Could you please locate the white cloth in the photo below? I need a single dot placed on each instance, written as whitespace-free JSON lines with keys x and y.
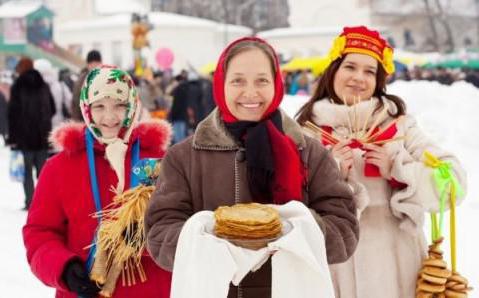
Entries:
{"x":205,"y":265}
{"x":115,"y":153}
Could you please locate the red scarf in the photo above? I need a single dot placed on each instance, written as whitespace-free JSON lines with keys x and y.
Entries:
{"x":289,"y":172}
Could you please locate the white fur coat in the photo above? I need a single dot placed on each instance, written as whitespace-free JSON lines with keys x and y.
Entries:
{"x":392,"y":243}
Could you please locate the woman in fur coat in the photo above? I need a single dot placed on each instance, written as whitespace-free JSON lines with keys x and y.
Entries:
{"x":94,"y":164}
{"x":379,"y":149}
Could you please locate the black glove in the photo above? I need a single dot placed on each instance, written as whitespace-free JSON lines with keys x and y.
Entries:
{"x":77,"y":280}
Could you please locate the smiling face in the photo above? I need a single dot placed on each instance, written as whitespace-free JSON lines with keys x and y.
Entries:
{"x":249,"y":85}
{"x":108,"y":115}
{"x":356,"y":78}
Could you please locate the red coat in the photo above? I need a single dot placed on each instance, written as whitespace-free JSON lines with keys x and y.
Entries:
{"x":60,"y":226}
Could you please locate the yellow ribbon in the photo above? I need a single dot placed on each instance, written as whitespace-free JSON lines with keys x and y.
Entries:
{"x":452,"y":222}
{"x":445,"y":181}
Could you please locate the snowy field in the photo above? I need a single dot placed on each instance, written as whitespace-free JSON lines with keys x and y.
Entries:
{"x":448,"y":114}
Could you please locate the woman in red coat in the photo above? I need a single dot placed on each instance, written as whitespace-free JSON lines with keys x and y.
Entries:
{"x":94,"y":164}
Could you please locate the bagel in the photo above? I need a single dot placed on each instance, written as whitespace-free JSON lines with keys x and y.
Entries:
{"x":422,"y":294}
{"x":435,"y":256}
{"x":427,"y":287}
{"x":434,"y":279}
{"x":454,"y":294}
{"x":458,"y":278}
{"x":436,"y":250}
{"x":450,"y":283}
{"x":458,"y":287}
{"x":434,"y":263}
{"x":436,"y":271}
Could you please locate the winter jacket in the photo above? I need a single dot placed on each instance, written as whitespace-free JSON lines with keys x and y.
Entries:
{"x":75,"y":103}
{"x":60,"y":225}
{"x":208,"y":170}
{"x":392,"y":242}
{"x":181,"y":103}
{"x":3,"y":115}
{"x":63,"y":99}
{"x":30,"y":110}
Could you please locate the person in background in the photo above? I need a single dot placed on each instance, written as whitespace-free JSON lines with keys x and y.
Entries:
{"x":393,"y":187}
{"x":65,"y":76}
{"x":207,"y":99}
{"x":5,"y":85}
{"x":60,"y":92}
{"x":201,"y":97}
{"x":164,"y":103}
{"x":93,"y":59}
{"x":149,"y":93}
{"x":181,"y":114}
{"x":3,"y":116}
{"x":250,"y":151}
{"x":4,"y":94}
{"x":6,"y":81}
{"x":30,"y":111}
{"x":61,"y":225}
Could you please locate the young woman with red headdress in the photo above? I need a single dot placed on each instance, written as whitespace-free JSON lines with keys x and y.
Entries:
{"x":248,"y":150}
{"x":384,"y":165}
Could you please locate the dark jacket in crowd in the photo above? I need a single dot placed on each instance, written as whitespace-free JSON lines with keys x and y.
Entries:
{"x":30,"y":110}
{"x":3,"y":115}
{"x":181,"y":103}
{"x":207,"y":101}
{"x":197,"y":95}
{"x":76,"y":112}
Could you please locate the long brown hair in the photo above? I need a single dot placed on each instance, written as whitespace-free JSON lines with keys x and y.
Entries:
{"x":325,"y":91}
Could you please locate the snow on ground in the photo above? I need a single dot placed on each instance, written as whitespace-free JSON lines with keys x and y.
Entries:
{"x":16,"y":279}
{"x":448,"y":114}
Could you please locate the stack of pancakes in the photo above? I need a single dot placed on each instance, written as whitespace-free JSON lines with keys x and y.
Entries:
{"x":247,"y":221}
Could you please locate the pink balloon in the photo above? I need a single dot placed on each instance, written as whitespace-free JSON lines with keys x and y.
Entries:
{"x":164,"y":58}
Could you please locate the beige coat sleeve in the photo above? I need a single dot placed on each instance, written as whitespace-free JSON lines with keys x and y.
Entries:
{"x":420,"y":195}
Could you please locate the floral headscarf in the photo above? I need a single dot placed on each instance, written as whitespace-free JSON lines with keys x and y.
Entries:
{"x":111,"y":82}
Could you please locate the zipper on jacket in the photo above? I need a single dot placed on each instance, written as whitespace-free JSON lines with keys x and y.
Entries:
{"x":239,"y":157}
{"x":240,"y":292}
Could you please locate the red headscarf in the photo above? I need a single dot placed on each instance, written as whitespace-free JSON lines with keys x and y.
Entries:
{"x":289,"y":173}
{"x":219,"y":82}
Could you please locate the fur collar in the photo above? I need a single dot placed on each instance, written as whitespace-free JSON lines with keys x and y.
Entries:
{"x":211,"y":133}
{"x":339,"y":115}
{"x":155,"y":135}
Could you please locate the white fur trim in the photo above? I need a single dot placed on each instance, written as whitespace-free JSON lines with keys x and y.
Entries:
{"x":340,"y":115}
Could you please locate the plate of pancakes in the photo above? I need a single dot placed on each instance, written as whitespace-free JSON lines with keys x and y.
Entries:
{"x":250,"y":225}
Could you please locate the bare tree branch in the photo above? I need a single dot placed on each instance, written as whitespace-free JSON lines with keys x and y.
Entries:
{"x":443,"y":19}
{"x":430,"y":16}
